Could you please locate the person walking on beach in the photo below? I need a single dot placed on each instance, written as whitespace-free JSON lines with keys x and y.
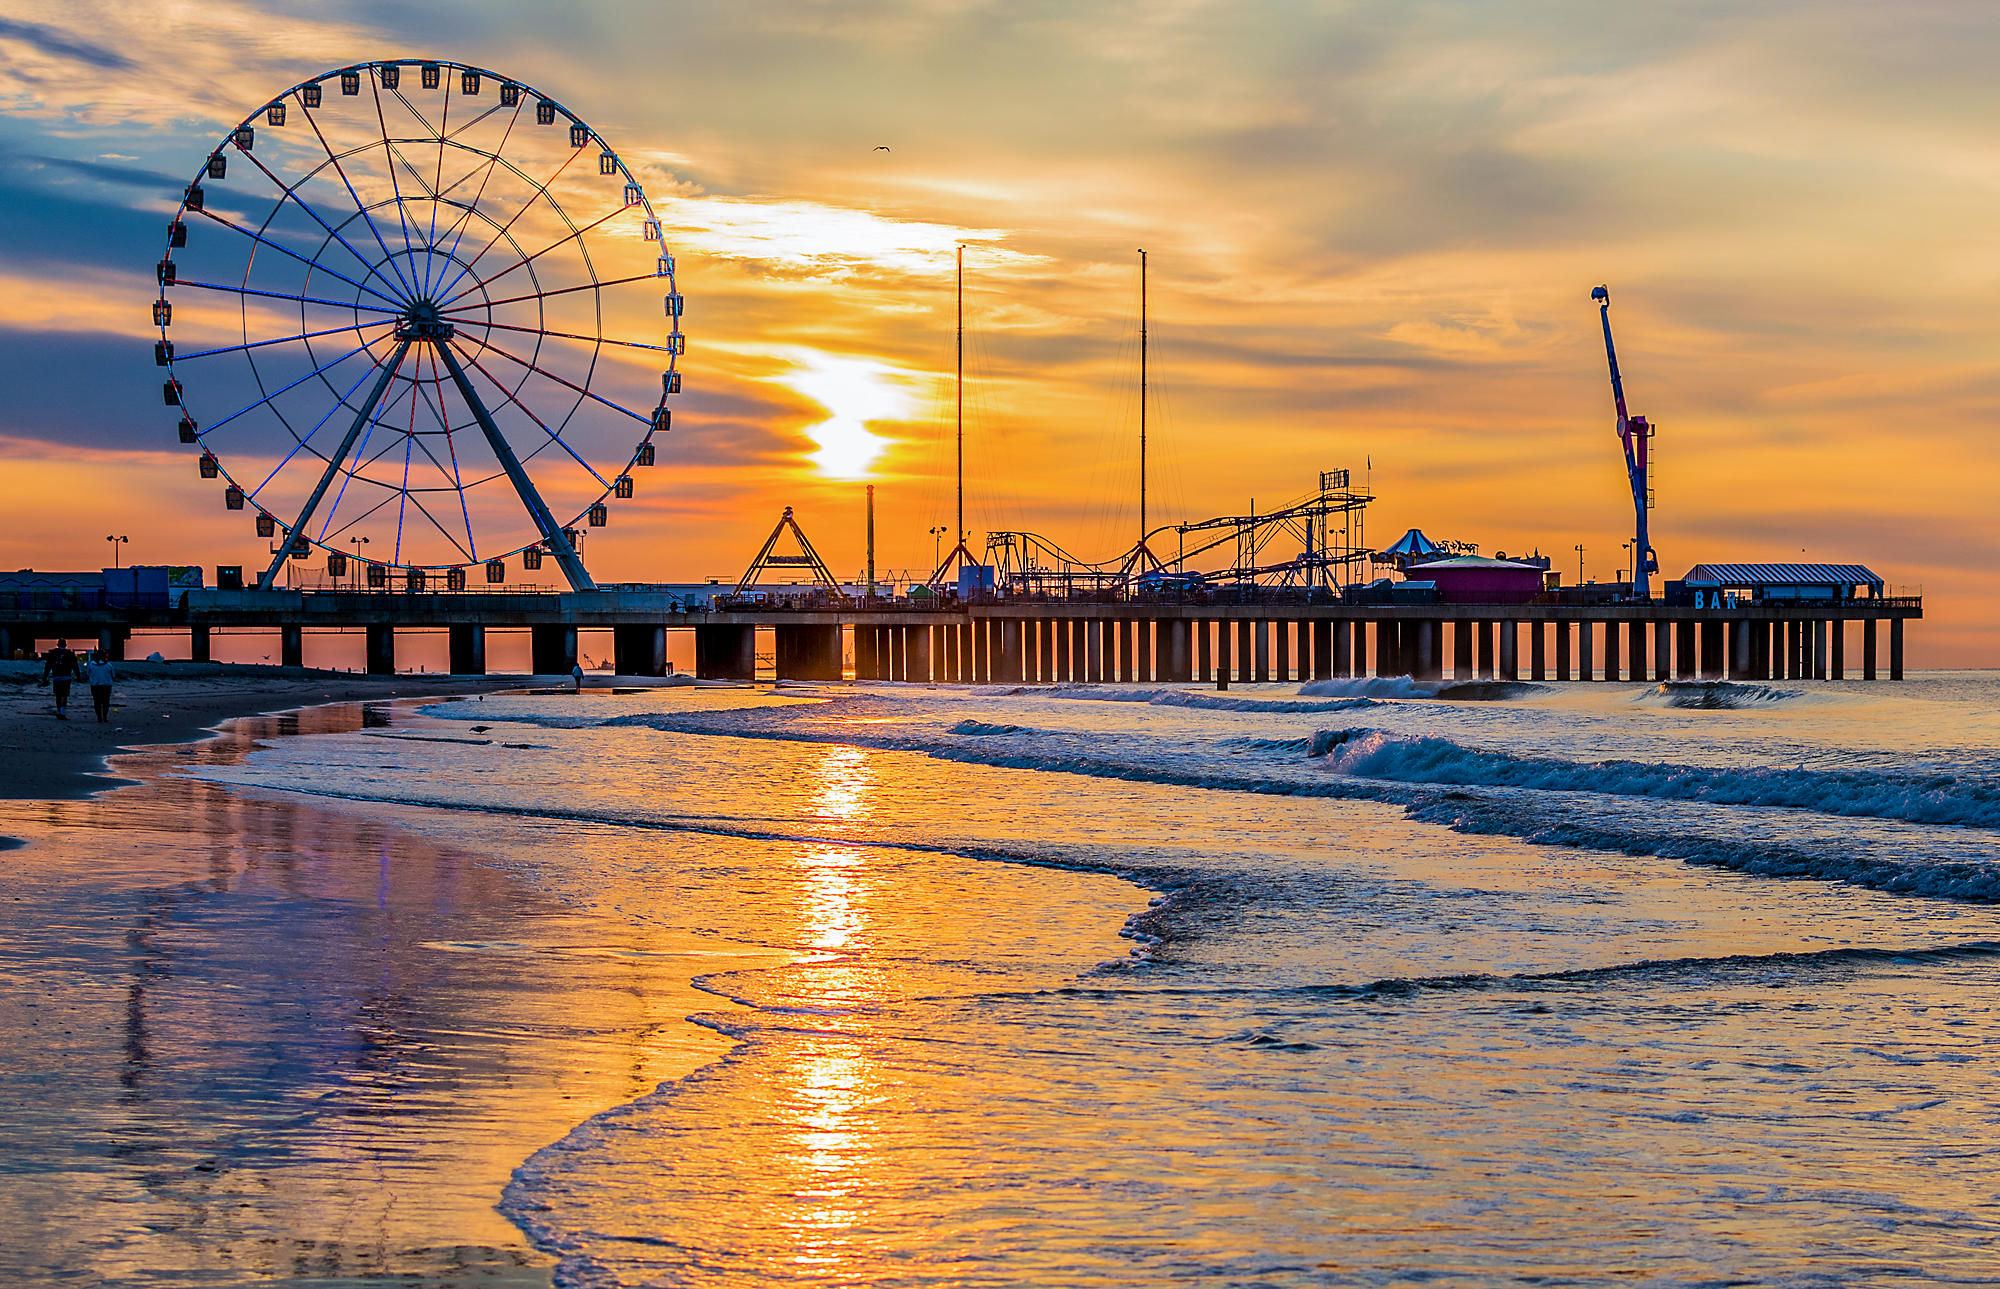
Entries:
{"x":99,"y":673}
{"x":576,"y":674}
{"x":58,"y":670}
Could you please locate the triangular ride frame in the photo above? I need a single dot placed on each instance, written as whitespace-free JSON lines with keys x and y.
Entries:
{"x":806,"y":558}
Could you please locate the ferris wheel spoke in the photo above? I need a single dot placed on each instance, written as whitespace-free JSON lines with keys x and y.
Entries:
{"x":345,"y":479}
{"x":389,"y":162}
{"x":403,"y":501}
{"x":437,"y":413}
{"x":281,"y":295}
{"x":435,"y":198}
{"x":303,"y":259}
{"x":292,"y":192}
{"x":317,"y":371}
{"x":541,"y":190}
{"x":437,"y":132}
{"x":411,"y":498}
{"x":357,"y":328}
{"x":438,"y":191}
{"x":325,"y":536}
{"x":567,"y":384}
{"x":436,"y":523}
{"x":571,"y":335}
{"x":554,"y":437}
{"x":477,"y":283}
{"x":417,"y":112}
{"x":451,"y":448}
{"x":307,"y":436}
{"x":492,"y":163}
{"x":466,"y":210}
{"x":396,"y":432}
{"x":444,"y":120}
{"x":543,"y":295}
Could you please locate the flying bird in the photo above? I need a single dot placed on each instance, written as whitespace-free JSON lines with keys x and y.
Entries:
{"x":882,"y":149}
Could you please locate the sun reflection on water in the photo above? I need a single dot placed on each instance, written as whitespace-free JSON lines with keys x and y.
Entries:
{"x":827,"y":1150}
{"x":844,"y":785}
{"x":833,"y":913}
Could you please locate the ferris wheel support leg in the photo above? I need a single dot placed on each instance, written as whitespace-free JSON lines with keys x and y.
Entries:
{"x":389,"y":370}
{"x":558,"y":541}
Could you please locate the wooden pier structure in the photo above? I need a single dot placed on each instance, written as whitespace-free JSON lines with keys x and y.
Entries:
{"x":1037,"y":641}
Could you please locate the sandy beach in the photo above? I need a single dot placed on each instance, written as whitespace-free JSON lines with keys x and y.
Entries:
{"x":42,"y":758}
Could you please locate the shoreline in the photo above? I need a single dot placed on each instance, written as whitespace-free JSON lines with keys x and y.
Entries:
{"x":44,"y":759}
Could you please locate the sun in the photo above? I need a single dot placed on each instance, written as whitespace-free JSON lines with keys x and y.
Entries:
{"x":855,"y":393}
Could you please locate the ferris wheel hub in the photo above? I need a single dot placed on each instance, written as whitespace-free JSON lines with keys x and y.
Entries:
{"x":421,"y":321}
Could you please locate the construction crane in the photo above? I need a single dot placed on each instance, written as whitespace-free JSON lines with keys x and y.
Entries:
{"x":1636,"y":433}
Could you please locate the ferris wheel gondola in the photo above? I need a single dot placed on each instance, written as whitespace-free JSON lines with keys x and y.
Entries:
{"x":416,"y":313}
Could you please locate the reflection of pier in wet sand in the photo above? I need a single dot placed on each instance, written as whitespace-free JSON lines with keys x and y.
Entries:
{"x":251,"y":1035}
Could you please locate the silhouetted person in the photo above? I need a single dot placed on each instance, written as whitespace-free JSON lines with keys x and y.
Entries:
{"x":58,"y":670}
{"x":576,"y":674}
{"x":99,"y":673}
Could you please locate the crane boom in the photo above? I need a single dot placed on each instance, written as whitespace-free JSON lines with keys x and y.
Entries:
{"x":1635,"y":434}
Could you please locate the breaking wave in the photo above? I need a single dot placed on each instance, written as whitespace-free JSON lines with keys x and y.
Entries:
{"x":1209,"y":702}
{"x":1366,"y":687}
{"x":1926,"y":799}
{"x":1716,"y":695}
{"x":1489,"y":691}
{"x":986,"y":728}
{"x":1829,"y":960}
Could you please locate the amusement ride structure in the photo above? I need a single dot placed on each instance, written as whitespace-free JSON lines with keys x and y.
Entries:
{"x":1238,"y":550}
{"x":418,"y":305}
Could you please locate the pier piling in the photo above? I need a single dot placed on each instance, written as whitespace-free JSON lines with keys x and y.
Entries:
{"x":381,"y":649}
{"x":468,"y":649}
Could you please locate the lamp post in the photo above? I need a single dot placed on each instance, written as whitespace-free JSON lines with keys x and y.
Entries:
{"x":937,"y":545}
{"x":1630,"y":572}
{"x":1579,"y":563}
{"x":116,"y":544}
{"x":357,"y":543}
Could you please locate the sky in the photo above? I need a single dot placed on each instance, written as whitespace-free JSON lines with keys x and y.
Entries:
{"x":1372,"y":232}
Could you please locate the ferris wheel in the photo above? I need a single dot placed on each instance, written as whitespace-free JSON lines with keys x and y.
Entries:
{"x":421,"y":317}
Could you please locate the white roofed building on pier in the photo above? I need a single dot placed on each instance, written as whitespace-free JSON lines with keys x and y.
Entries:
{"x":1789,"y":581}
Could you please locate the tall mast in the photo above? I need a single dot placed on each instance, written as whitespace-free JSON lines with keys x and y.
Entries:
{"x":1142,"y":399}
{"x":961,"y":394}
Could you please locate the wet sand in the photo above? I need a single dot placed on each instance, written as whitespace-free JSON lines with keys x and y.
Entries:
{"x":42,"y":758}
{"x":253,"y":1039}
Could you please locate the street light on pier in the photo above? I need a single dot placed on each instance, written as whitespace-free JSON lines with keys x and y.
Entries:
{"x":355,"y":564}
{"x":116,"y":544}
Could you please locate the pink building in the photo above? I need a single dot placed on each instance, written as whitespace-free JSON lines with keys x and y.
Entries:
{"x":1471,"y":579}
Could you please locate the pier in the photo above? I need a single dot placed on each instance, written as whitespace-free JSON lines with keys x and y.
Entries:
{"x":1041,"y":641}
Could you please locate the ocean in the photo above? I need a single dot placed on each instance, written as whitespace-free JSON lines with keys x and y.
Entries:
{"x":1342,"y":983}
